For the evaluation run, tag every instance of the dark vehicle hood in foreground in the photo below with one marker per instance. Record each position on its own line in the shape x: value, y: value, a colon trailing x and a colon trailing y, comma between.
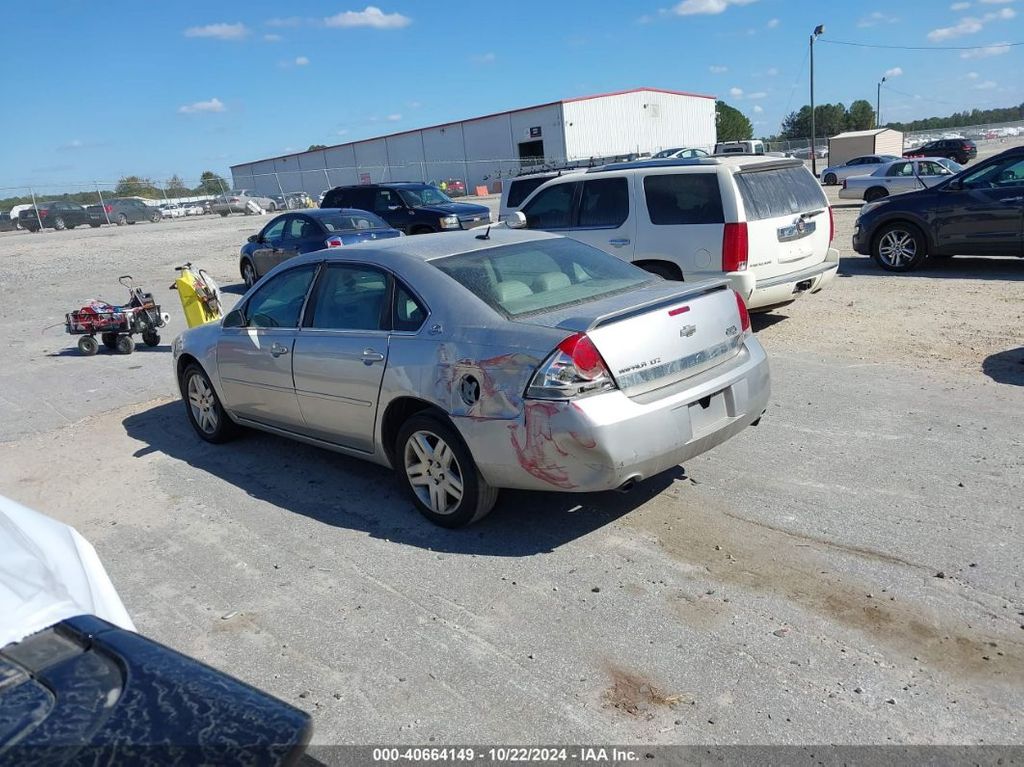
x: 460, y: 209
x: 85, y: 691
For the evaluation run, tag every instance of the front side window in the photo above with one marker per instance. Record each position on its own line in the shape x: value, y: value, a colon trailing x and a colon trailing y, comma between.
x: 684, y: 198
x: 278, y: 303
x: 275, y: 230
x: 415, y: 196
x: 385, y: 200
x: 1009, y: 172
x: 551, y: 208
x: 605, y: 203
x: 350, y: 297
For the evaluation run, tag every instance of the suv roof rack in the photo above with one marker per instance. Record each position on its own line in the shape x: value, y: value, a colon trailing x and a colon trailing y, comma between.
x: 667, y: 163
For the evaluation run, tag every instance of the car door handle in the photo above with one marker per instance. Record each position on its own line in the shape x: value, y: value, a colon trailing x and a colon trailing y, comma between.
x: 370, y: 356
x: 1011, y: 199
x: 277, y: 349
x: 618, y: 243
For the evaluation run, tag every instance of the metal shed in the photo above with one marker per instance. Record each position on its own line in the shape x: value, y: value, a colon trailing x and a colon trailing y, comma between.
x: 484, y: 150
x: 846, y: 146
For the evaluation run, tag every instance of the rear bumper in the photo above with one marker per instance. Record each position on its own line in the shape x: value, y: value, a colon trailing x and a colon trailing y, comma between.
x: 783, y: 288
x: 601, y: 442
x: 851, y: 194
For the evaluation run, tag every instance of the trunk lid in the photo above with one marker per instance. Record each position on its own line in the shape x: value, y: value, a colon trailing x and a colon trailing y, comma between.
x: 787, y: 217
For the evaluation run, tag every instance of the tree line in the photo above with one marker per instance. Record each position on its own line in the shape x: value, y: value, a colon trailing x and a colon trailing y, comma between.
x: 963, y: 119
x: 210, y: 183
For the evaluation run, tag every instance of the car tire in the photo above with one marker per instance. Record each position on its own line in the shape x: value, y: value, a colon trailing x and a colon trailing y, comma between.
x: 203, y: 408
x: 248, y: 272
x: 156, y: 218
x: 899, y: 247
x: 272, y: 208
x: 94, y: 226
x: 830, y: 179
x: 59, y: 224
x: 663, y: 271
x: 109, y: 340
x: 436, y: 469
x: 122, y: 219
x: 125, y: 345
x: 71, y: 226
x: 224, y: 214
x: 875, y: 193
x: 151, y: 338
x: 87, y: 345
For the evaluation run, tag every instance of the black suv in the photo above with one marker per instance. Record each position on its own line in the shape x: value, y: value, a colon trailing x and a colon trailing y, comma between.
x: 959, y: 150
x: 410, y: 207
x: 978, y: 212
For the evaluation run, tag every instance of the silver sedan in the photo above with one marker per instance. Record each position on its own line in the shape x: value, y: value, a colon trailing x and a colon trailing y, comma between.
x: 470, y: 362
x: 895, y: 177
x: 857, y: 166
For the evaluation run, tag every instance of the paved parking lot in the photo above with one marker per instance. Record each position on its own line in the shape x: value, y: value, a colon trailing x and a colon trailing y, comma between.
x: 849, y: 571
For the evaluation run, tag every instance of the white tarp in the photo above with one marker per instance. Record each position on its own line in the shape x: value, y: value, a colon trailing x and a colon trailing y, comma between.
x: 48, y: 572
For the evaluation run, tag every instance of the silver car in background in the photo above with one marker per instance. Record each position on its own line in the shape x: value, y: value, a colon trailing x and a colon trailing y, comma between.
x: 857, y: 166
x: 895, y: 177
x: 475, y: 361
x: 237, y: 201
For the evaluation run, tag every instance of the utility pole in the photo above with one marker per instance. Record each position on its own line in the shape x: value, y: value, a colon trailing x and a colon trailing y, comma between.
x: 878, y: 105
x: 818, y: 30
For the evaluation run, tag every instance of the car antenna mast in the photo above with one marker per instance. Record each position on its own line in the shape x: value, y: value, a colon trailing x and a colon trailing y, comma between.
x: 486, y: 235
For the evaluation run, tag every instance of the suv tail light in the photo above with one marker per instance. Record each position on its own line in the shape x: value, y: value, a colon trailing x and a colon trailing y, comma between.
x: 574, y: 369
x: 831, y: 225
x: 42, y: 213
x: 333, y: 242
x: 735, y: 246
x: 108, y: 208
x: 741, y: 305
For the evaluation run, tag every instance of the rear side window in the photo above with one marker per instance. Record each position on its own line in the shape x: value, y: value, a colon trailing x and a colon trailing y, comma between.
x: 684, y: 198
x: 605, y: 203
x: 336, y: 198
x: 779, y: 192
x: 521, y: 189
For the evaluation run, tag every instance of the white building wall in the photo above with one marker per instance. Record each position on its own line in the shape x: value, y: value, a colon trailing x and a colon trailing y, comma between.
x: 341, y: 165
x: 641, y: 122
x: 488, y: 148
x: 444, y: 152
x: 405, y: 153
x: 549, y: 120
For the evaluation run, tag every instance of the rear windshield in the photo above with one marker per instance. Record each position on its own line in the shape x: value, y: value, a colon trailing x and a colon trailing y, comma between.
x: 779, y: 192
x: 520, y: 190
x: 341, y: 222
x: 542, y: 275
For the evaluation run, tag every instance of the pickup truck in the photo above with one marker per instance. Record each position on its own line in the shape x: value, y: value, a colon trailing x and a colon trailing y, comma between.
x: 409, y: 207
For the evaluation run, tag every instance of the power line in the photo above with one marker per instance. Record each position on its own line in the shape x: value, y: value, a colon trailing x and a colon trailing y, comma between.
x: 921, y: 98
x: 921, y: 47
x: 796, y: 81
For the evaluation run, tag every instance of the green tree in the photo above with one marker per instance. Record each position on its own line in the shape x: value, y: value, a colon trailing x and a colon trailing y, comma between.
x: 861, y: 116
x: 133, y: 186
x: 176, y: 187
x: 731, y: 123
x: 211, y: 183
x: 315, y: 147
x: 797, y: 125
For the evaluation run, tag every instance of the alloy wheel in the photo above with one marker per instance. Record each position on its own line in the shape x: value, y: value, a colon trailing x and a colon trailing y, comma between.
x: 897, y: 248
x: 202, y: 401
x: 434, y: 472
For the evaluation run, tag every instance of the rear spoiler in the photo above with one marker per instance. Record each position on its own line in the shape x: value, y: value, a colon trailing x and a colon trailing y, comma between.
x: 697, y: 289
x: 772, y: 165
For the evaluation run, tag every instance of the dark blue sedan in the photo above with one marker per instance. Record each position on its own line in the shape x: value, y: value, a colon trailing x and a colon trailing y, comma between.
x: 291, y: 234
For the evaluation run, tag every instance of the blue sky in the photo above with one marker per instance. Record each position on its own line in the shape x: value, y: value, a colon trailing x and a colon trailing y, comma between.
x: 161, y: 88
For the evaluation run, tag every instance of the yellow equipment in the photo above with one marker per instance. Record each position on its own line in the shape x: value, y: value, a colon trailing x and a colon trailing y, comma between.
x: 199, y: 294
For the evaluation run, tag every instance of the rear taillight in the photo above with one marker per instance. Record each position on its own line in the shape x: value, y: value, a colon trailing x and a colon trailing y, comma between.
x: 831, y: 224
x: 42, y: 213
x: 233, y: 199
x: 735, y: 246
x: 574, y: 369
x: 741, y: 305
x: 333, y: 242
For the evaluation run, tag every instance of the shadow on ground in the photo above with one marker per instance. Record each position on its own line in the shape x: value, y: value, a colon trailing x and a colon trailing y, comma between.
x: 354, y: 494
x: 72, y: 351
x: 761, y: 320
x: 956, y: 268
x: 1006, y: 367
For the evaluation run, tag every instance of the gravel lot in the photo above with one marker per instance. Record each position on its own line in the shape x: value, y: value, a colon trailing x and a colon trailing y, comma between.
x: 847, y: 572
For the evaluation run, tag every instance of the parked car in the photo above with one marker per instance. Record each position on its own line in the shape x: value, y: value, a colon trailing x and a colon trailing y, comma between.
x: 820, y: 151
x: 410, y: 207
x: 679, y: 153
x: 7, y: 224
x: 291, y: 234
x: 857, y: 166
x: 480, y: 361
x: 172, y: 210
x: 762, y: 222
x: 516, y: 190
x: 894, y: 178
x: 960, y: 149
x: 237, y: 202
x: 978, y: 212
x: 79, y: 686
x: 15, y: 214
x: 58, y: 215
x: 193, y: 208
x: 952, y: 165
x: 127, y: 210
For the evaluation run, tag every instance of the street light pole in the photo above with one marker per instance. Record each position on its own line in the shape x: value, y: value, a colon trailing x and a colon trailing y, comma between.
x: 878, y: 105
x: 818, y: 30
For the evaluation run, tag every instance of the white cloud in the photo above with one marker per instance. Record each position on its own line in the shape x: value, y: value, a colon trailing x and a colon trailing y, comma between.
x: 75, y: 143
x: 894, y: 72
x: 959, y: 6
x: 972, y: 75
x: 343, y: 132
x: 985, y: 86
x: 372, y: 16
x: 996, y: 2
x: 301, y: 61
x: 213, y: 105
x: 736, y: 93
x: 772, y: 72
x: 484, y: 58
x: 758, y: 109
x: 706, y: 7
x: 772, y: 23
x: 876, y: 18
x: 996, y: 49
x: 291, y: 21
x: 271, y: 38
x: 393, y: 118
x: 716, y: 69
x: 970, y: 25
x: 756, y: 95
x: 219, y: 31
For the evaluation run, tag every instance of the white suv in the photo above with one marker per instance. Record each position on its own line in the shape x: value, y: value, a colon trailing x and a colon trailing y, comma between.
x: 762, y: 222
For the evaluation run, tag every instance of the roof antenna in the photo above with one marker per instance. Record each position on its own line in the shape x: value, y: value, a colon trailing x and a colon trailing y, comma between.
x: 486, y: 235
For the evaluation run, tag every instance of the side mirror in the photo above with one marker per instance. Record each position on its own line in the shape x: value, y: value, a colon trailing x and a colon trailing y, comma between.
x: 955, y: 185
x: 254, y: 238
x: 233, y: 319
x: 516, y: 220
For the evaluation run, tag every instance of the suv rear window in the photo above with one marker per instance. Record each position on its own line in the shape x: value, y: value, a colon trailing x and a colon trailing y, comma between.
x: 684, y: 198
x: 778, y: 192
x: 519, y: 190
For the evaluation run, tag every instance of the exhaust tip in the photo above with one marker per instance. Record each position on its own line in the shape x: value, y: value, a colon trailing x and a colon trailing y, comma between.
x: 628, y: 485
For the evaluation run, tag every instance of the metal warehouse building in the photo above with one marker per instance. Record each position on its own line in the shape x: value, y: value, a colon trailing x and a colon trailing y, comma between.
x: 483, y: 150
